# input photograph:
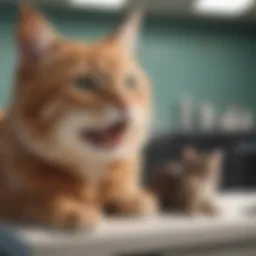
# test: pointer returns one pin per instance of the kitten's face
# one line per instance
(202, 164)
(80, 99)
(193, 162)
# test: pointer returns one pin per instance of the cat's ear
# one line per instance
(127, 35)
(35, 36)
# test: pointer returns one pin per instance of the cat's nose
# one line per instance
(114, 114)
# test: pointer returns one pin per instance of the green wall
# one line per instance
(209, 61)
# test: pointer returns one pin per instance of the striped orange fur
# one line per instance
(72, 137)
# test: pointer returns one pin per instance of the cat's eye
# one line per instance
(85, 83)
(131, 82)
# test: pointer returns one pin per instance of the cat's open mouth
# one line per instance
(109, 137)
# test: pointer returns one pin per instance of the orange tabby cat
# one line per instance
(72, 137)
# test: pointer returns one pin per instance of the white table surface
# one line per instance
(152, 233)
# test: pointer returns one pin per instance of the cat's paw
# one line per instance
(144, 204)
(72, 215)
(137, 204)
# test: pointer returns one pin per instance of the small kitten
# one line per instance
(190, 186)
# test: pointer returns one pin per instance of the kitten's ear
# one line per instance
(190, 155)
(215, 161)
(127, 35)
(35, 36)
(216, 157)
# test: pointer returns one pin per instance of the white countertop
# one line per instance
(236, 223)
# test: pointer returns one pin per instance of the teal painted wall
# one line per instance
(209, 61)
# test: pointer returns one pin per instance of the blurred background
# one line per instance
(200, 55)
